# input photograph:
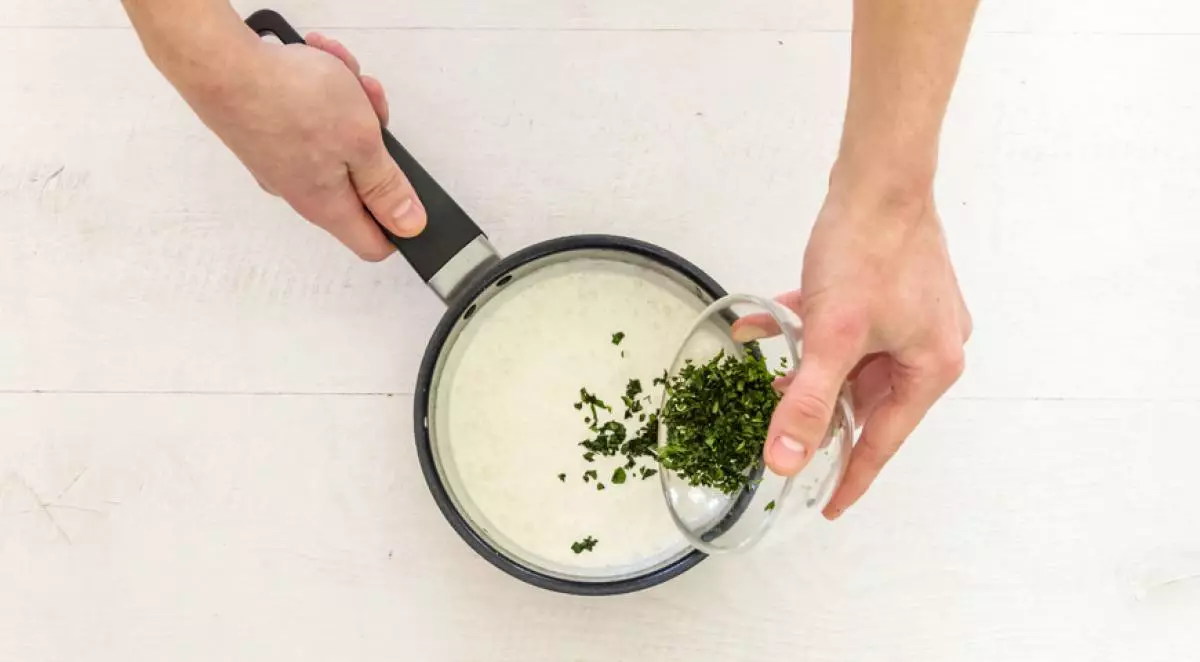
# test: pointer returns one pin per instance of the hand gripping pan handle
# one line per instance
(452, 247)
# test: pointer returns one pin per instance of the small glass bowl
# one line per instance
(715, 522)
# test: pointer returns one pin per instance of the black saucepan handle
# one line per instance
(450, 229)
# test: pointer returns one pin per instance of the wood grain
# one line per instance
(141, 257)
(193, 527)
(205, 435)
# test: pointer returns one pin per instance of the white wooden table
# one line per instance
(205, 436)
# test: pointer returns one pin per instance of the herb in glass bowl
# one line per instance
(717, 415)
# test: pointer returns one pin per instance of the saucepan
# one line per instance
(509, 383)
(557, 284)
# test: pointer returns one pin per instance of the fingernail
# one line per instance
(787, 454)
(745, 334)
(408, 218)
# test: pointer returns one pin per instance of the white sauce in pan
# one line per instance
(505, 423)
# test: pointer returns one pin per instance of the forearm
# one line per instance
(196, 44)
(904, 62)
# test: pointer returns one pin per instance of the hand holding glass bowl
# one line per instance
(712, 520)
(912, 319)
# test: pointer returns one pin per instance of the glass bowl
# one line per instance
(715, 522)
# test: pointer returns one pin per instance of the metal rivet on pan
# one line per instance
(470, 311)
(504, 281)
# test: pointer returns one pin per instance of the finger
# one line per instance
(863, 363)
(869, 387)
(887, 428)
(378, 97)
(264, 187)
(334, 48)
(882, 436)
(761, 325)
(340, 212)
(781, 384)
(387, 193)
(802, 417)
(370, 85)
(870, 383)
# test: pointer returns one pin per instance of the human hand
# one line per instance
(306, 123)
(882, 311)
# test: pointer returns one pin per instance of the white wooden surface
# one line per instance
(205, 434)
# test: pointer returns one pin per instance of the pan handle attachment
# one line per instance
(452, 248)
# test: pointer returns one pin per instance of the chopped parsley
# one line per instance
(716, 416)
(585, 545)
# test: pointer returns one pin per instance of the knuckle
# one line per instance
(849, 327)
(845, 329)
(364, 138)
(807, 408)
(389, 183)
(950, 362)
(876, 456)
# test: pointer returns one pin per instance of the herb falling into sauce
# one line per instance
(716, 415)
(595, 404)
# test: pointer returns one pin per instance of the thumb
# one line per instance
(387, 194)
(803, 415)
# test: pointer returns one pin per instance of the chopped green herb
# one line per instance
(647, 472)
(633, 404)
(716, 416)
(612, 438)
(585, 545)
(562, 477)
(608, 440)
(594, 404)
(769, 507)
(645, 442)
(618, 337)
(599, 486)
